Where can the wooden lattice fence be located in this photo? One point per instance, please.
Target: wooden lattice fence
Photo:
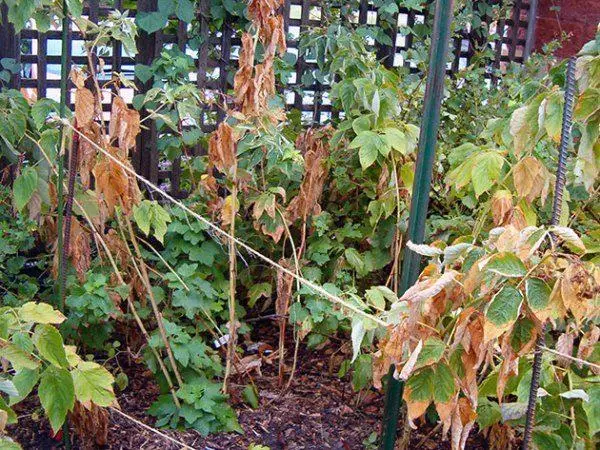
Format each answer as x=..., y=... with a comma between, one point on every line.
x=216, y=60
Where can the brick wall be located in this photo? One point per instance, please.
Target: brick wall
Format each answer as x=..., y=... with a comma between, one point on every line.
x=579, y=18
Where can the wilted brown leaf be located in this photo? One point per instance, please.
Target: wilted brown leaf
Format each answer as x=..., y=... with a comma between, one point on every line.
x=124, y=125
x=578, y=291
x=87, y=153
x=79, y=251
x=222, y=148
x=77, y=77
x=315, y=148
x=90, y=423
x=114, y=185
x=84, y=108
x=531, y=179
x=564, y=344
x=501, y=207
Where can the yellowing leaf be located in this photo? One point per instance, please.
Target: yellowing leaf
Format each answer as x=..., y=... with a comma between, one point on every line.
x=486, y=171
x=569, y=237
x=530, y=178
x=40, y=313
x=93, y=383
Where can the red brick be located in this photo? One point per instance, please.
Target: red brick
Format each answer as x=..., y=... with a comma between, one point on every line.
x=576, y=17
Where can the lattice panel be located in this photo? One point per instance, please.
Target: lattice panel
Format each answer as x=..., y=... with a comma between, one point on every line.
x=216, y=61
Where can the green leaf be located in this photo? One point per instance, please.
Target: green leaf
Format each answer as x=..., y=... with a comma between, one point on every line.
x=592, y=410
x=40, y=313
x=570, y=238
x=396, y=139
x=149, y=214
x=151, y=22
x=250, y=395
x=18, y=358
x=432, y=351
x=486, y=171
x=41, y=109
x=538, y=294
x=24, y=380
x=488, y=413
x=502, y=312
x=375, y=297
x=506, y=264
x=143, y=72
x=354, y=259
x=361, y=123
x=363, y=373
x=522, y=334
x=587, y=105
x=24, y=187
x=357, y=335
x=11, y=415
x=50, y=345
x=548, y=441
x=257, y=291
x=57, y=395
x=370, y=144
x=185, y=10
x=419, y=387
x=444, y=386
x=93, y=382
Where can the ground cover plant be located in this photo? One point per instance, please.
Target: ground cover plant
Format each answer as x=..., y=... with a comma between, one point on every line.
x=304, y=226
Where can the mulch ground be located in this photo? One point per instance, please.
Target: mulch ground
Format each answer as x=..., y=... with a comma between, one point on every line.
x=318, y=411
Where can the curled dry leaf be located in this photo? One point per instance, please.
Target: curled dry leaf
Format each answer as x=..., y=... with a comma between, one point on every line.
x=264, y=15
x=501, y=207
x=80, y=252
x=285, y=283
x=222, y=148
x=315, y=146
x=587, y=345
x=501, y=437
x=243, y=83
x=84, y=108
x=531, y=179
x=118, y=248
x=88, y=153
x=90, y=423
x=124, y=125
x=114, y=185
x=229, y=210
x=429, y=287
x=579, y=288
x=77, y=77
x=564, y=344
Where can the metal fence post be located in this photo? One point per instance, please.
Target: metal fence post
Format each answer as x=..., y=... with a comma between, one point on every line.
x=421, y=188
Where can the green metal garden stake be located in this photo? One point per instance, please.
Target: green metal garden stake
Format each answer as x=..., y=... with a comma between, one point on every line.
x=422, y=185
x=61, y=177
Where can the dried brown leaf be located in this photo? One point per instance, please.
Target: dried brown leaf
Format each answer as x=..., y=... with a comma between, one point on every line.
x=84, y=108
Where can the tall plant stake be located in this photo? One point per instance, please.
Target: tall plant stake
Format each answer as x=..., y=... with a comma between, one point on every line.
x=559, y=187
x=61, y=176
x=422, y=185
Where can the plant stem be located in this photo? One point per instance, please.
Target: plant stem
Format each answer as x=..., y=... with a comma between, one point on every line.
x=157, y=314
x=232, y=282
